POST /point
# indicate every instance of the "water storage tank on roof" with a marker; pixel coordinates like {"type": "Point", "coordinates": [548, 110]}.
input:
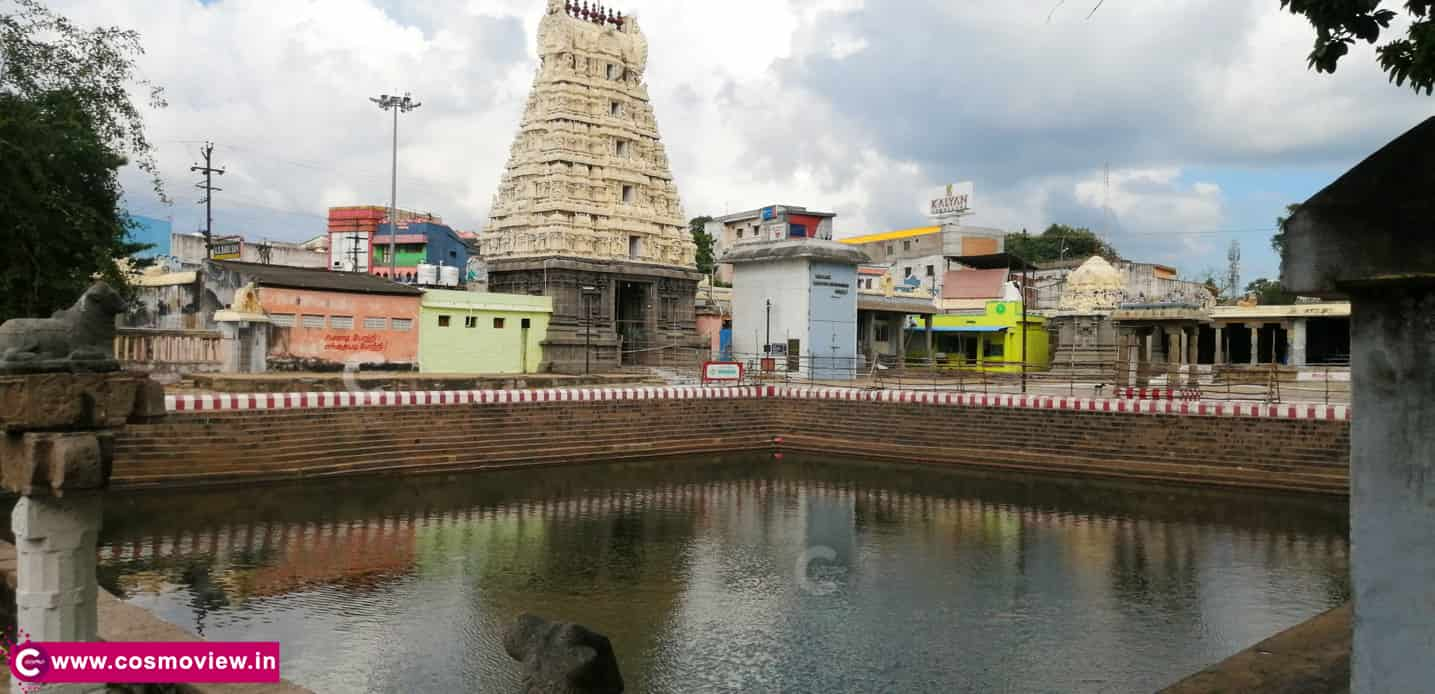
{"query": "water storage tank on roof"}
{"type": "Point", "coordinates": [448, 276]}
{"type": "Point", "coordinates": [428, 275]}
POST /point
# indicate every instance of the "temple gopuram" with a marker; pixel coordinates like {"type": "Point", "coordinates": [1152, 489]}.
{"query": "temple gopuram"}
{"type": "Point", "coordinates": [587, 212]}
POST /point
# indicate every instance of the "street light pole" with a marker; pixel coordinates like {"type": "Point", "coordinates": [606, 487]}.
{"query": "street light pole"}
{"type": "Point", "coordinates": [767, 348]}
{"type": "Point", "coordinates": [396, 104]}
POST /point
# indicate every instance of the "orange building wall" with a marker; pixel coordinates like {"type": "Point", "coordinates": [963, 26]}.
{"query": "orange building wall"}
{"type": "Point", "coordinates": [358, 344]}
{"type": "Point", "coordinates": [710, 326]}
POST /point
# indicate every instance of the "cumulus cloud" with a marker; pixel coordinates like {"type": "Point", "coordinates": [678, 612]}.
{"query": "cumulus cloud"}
{"type": "Point", "coordinates": [856, 106]}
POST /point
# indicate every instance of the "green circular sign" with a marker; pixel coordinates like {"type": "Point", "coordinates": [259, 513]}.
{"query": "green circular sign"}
{"type": "Point", "coordinates": [1001, 309]}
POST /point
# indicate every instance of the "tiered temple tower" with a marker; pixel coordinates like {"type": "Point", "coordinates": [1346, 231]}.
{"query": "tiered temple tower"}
{"type": "Point", "coordinates": [587, 211]}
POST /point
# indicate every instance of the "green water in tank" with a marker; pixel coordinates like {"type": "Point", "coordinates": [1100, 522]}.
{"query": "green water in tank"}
{"type": "Point", "coordinates": [735, 574]}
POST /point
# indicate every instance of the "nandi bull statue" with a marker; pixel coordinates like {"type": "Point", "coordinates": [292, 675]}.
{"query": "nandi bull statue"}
{"type": "Point", "coordinates": [79, 338]}
{"type": "Point", "coordinates": [561, 658]}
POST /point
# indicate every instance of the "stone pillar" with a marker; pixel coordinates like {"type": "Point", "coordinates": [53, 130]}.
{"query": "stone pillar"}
{"type": "Point", "coordinates": [55, 550]}
{"type": "Point", "coordinates": [1220, 346]}
{"type": "Point", "coordinates": [869, 338]}
{"type": "Point", "coordinates": [1123, 357]}
{"type": "Point", "coordinates": [1392, 469]}
{"type": "Point", "coordinates": [929, 322]}
{"type": "Point", "coordinates": [896, 329]}
{"type": "Point", "coordinates": [1145, 350]}
{"type": "Point", "coordinates": [56, 451]}
{"type": "Point", "coordinates": [1193, 355]}
{"type": "Point", "coordinates": [1175, 352]}
{"type": "Point", "coordinates": [1255, 343]}
{"type": "Point", "coordinates": [1298, 342]}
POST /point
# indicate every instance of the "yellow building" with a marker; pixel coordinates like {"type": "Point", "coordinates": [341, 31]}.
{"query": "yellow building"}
{"type": "Point", "coordinates": [990, 341]}
{"type": "Point", "coordinates": [478, 333]}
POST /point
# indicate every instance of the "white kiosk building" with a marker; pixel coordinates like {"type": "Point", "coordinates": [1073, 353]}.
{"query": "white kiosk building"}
{"type": "Point", "coordinates": [796, 301]}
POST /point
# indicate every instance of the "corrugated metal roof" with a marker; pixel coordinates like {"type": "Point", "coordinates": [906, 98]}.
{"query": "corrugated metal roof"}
{"type": "Point", "coordinates": [890, 235]}
{"type": "Point", "coordinates": [961, 328]}
{"type": "Point", "coordinates": [324, 280]}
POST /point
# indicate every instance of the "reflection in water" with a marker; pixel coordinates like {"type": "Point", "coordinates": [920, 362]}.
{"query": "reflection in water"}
{"type": "Point", "coordinates": [737, 575]}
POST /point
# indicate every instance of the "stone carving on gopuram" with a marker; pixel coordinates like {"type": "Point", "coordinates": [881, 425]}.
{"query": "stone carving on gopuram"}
{"type": "Point", "coordinates": [1095, 287]}
{"type": "Point", "coordinates": [587, 211]}
{"type": "Point", "coordinates": [587, 172]}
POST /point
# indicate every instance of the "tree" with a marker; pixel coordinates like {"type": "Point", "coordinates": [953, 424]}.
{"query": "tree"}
{"type": "Point", "coordinates": [67, 122]}
{"type": "Point", "coordinates": [705, 241]}
{"type": "Point", "coordinates": [1059, 242]}
{"type": "Point", "coordinates": [1340, 23]}
{"type": "Point", "coordinates": [1269, 293]}
{"type": "Point", "coordinates": [1210, 277]}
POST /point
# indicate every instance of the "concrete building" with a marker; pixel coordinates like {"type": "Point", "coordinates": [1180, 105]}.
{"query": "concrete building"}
{"type": "Point", "coordinates": [587, 212]}
{"type": "Point", "coordinates": [1295, 335]}
{"type": "Point", "coordinates": [919, 256]}
{"type": "Point", "coordinates": [770, 223]}
{"type": "Point", "coordinates": [351, 234]}
{"type": "Point", "coordinates": [796, 301]}
{"type": "Point", "coordinates": [993, 340]}
{"type": "Point", "coordinates": [187, 252]}
{"type": "Point", "coordinates": [421, 244]}
{"type": "Point", "coordinates": [322, 320]}
{"type": "Point", "coordinates": [882, 329]}
{"type": "Point", "coordinates": [1139, 283]}
{"type": "Point", "coordinates": [473, 333]}
{"type": "Point", "coordinates": [1367, 238]}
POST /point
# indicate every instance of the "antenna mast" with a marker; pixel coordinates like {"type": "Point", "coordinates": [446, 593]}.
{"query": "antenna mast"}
{"type": "Point", "coordinates": [1233, 270]}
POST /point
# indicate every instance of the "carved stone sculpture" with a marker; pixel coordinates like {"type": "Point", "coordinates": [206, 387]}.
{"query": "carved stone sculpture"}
{"type": "Point", "coordinates": [594, 113]}
{"type": "Point", "coordinates": [1095, 287]}
{"type": "Point", "coordinates": [77, 339]}
{"type": "Point", "coordinates": [562, 658]}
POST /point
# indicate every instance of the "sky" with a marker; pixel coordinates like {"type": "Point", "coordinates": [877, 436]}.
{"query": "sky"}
{"type": "Point", "coordinates": [1172, 128]}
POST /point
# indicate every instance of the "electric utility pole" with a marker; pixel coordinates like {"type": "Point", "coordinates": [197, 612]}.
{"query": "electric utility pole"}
{"type": "Point", "coordinates": [398, 105]}
{"type": "Point", "coordinates": [209, 190]}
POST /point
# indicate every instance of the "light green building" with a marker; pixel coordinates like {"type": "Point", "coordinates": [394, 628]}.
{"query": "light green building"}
{"type": "Point", "coordinates": [988, 341]}
{"type": "Point", "coordinates": [476, 333]}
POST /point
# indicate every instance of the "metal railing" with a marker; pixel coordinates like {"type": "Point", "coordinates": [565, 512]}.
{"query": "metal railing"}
{"type": "Point", "coordinates": [1264, 383]}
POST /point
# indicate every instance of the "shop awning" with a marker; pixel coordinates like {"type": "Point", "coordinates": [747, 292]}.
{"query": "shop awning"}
{"type": "Point", "coordinates": [961, 328]}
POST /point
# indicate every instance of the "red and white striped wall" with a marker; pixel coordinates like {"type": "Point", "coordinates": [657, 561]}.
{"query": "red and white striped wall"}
{"type": "Point", "coordinates": [304, 401]}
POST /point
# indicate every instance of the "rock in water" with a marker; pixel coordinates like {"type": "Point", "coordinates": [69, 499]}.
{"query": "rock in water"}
{"type": "Point", "coordinates": [562, 658]}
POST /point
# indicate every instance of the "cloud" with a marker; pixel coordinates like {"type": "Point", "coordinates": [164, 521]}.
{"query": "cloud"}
{"type": "Point", "coordinates": [857, 107]}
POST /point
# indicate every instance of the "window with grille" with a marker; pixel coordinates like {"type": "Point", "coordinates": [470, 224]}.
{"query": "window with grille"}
{"type": "Point", "coordinates": [282, 320]}
{"type": "Point", "coordinates": [470, 321]}
{"type": "Point", "coordinates": [315, 322]}
{"type": "Point", "coordinates": [402, 325]}
{"type": "Point", "coordinates": [341, 322]}
{"type": "Point", "coordinates": [443, 321]}
{"type": "Point", "coordinates": [375, 323]}
{"type": "Point", "coordinates": [497, 323]}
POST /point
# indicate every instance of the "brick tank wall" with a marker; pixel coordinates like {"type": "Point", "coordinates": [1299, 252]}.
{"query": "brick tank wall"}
{"type": "Point", "coordinates": [1260, 452]}
{"type": "Point", "coordinates": [232, 438]}
{"type": "Point", "coordinates": [220, 447]}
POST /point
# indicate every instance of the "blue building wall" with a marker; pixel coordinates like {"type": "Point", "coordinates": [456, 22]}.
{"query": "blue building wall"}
{"type": "Point", "coordinates": [152, 231]}
{"type": "Point", "coordinates": [442, 246]}
{"type": "Point", "coordinates": [832, 326]}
